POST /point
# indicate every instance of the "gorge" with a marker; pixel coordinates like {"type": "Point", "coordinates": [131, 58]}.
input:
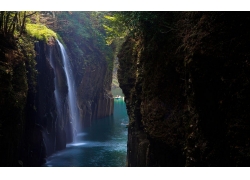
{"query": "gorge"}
{"type": "Point", "coordinates": [184, 76]}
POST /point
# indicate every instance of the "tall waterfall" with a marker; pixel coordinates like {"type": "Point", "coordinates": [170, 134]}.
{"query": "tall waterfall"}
{"type": "Point", "coordinates": [73, 109]}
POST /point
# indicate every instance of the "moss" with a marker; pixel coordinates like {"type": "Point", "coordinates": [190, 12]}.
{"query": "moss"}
{"type": "Point", "coordinates": [40, 31]}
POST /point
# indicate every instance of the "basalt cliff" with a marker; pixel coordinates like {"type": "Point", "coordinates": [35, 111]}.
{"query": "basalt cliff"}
{"type": "Point", "coordinates": [185, 77]}
{"type": "Point", "coordinates": [31, 127]}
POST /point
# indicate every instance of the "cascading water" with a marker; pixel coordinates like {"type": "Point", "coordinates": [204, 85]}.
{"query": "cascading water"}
{"type": "Point", "coordinates": [73, 109]}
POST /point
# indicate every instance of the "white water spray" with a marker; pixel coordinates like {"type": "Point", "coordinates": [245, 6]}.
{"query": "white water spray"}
{"type": "Point", "coordinates": [73, 110]}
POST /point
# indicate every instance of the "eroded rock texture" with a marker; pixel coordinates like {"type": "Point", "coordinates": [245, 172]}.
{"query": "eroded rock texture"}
{"type": "Point", "coordinates": [186, 86]}
{"type": "Point", "coordinates": [32, 128]}
{"type": "Point", "coordinates": [93, 80]}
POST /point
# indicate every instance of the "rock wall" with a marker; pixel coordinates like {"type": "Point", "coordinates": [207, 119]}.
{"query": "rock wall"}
{"type": "Point", "coordinates": [44, 132]}
{"type": "Point", "coordinates": [93, 81]}
{"type": "Point", "coordinates": [94, 94]}
{"type": "Point", "coordinates": [91, 59]}
{"type": "Point", "coordinates": [13, 93]}
{"type": "Point", "coordinates": [57, 127]}
{"type": "Point", "coordinates": [186, 89]}
{"type": "Point", "coordinates": [31, 128]}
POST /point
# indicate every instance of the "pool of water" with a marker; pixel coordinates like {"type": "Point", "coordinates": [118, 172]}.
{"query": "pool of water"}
{"type": "Point", "coordinates": [103, 144]}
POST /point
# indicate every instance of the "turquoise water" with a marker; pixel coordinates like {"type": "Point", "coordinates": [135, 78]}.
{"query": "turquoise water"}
{"type": "Point", "coordinates": [103, 144]}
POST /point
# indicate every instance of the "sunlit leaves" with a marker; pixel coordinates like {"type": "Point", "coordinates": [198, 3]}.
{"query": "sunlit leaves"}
{"type": "Point", "coordinates": [114, 28]}
{"type": "Point", "coordinates": [12, 23]}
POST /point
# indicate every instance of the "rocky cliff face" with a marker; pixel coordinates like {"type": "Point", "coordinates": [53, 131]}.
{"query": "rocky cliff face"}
{"type": "Point", "coordinates": [93, 81]}
{"type": "Point", "coordinates": [94, 95]}
{"type": "Point", "coordinates": [39, 131]}
{"type": "Point", "coordinates": [31, 126]}
{"type": "Point", "coordinates": [186, 90]}
{"type": "Point", "coordinates": [57, 128]}
{"type": "Point", "coordinates": [53, 129]}
{"type": "Point", "coordinates": [13, 93]}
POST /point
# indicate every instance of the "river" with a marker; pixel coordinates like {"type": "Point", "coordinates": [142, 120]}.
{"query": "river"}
{"type": "Point", "coordinates": [103, 144]}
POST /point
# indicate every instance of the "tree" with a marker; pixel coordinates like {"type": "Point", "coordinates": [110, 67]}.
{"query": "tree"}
{"type": "Point", "coordinates": [12, 23]}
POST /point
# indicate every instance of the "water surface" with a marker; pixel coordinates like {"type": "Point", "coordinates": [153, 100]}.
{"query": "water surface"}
{"type": "Point", "coordinates": [103, 144]}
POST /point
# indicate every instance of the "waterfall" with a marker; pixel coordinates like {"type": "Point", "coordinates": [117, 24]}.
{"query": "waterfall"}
{"type": "Point", "coordinates": [72, 103]}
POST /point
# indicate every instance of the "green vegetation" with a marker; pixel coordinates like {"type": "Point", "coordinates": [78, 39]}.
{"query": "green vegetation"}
{"type": "Point", "coordinates": [16, 23]}
{"type": "Point", "coordinates": [114, 28]}
{"type": "Point", "coordinates": [40, 31]}
{"type": "Point", "coordinates": [86, 30]}
{"type": "Point", "coordinates": [136, 23]}
{"type": "Point", "coordinates": [83, 35]}
{"type": "Point", "coordinates": [12, 23]}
